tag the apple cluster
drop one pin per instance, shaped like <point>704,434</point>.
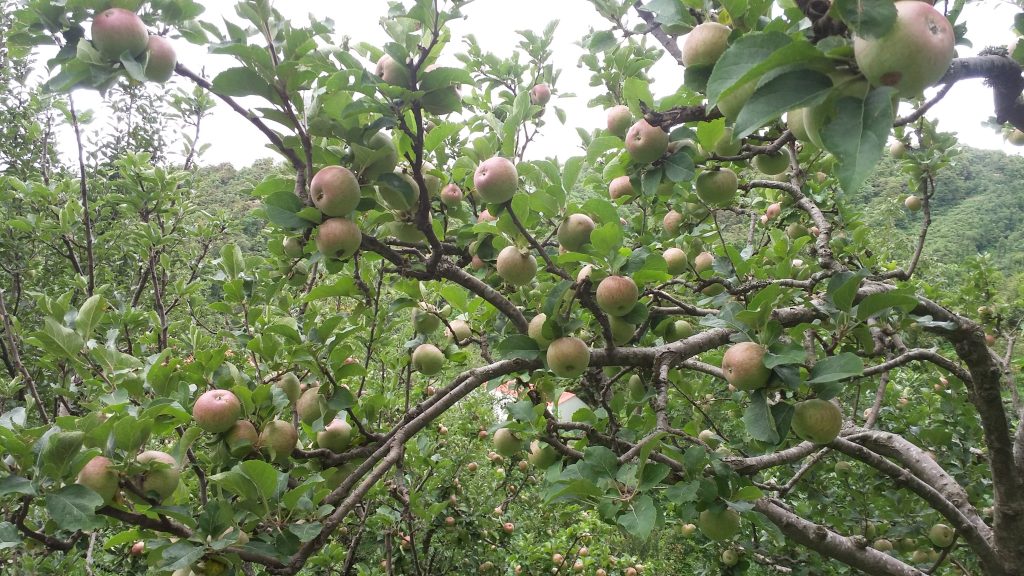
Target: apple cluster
<point>119,34</point>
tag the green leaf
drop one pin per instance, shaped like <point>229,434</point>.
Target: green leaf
<point>635,91</point>
<point>243,81</point>
<point>740,62</point>
<point>305,532</point>
<point>232,261</point>
<point>89,315</point>
<point>606,238</point>
<point>16,485</point>
<point>758,419</point>
<point>639,517</point>
<point>679,167</point>
<point>518,346</point>
<point>267,479</point>
<point>842,288</point>
<point>750,493</point>
<point>877,303</point>
<point>73,508</point>
<point>839,367</point>
<point>59,340</point>
<point>282,209</point>
<point>857,136</point>
<point>598,462</point>
<point>131,434</point>
<point>784,92</point>
<point>683,492</point>
<point>869,18</point>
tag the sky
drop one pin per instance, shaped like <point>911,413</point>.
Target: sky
<point>494,23</point>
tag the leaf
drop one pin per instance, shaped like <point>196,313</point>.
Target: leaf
<point>59,340</point>
<point>267,479</point>
<point>606,238</point>
<point>282,209</point>
<point>842,288</point>
<point>518,346</point>
<point>838,367</point>
<point>639,517</point>
<point>598,462</point>
<point>16,485</point>
<point>868,18</point>
<point>306,532</point>
<point>73,507</point>
<point>242,81</point>
<point>89,315</point>
<point>683,492</point>
<point>857,136</point>
<point>758,419</point>
<point>232,261</point>
<point>784,92</point>
<point>742,60</point>
<point>877,303</point>
<point>679,167</point>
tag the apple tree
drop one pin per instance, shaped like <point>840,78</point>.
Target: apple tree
<point>762,385</point>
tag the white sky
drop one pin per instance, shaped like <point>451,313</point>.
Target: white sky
<point>494,23</point>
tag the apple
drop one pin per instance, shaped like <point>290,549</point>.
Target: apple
<point>600,572</point>
<point>401,199</point>
<point>710,438</point>
<point>731,104</point>
<point>575,231</point>
<point>393,72</point>
<point>427,359</point>
<point>334,190</point>
<point>482,434</point>
<point>717,187</point>
<point>703,262</point>
<point>496,180</point>
<point>505,442</point>
<point>289,384</point>
<point>449,521</point>
<point>99,476</point>
<point>794,231</point>
<point>423,321</point>
<point>725,145</point>
<point>795,123</point>
<point>217,411</point>
<point>161,478</point>
<point>919,557</point>
<point>338,238</point>
<point>646,143</point>
<point>719,524</point>
<point>773,210</point>
<point>535,330</point>
<point>817,421</point>
<point>678,330</point>
<point>675,260</point>
<point>622,331</point>
<point>630,571</point>
<point>336,436</point>
<point>913,203</point>
<point>1016,137</point>
<point>430,180</point>
<point>541,455</point>
<point>730,557</point>
<point>689,529</point>
<point>557,559</point>
<point>620,187</point>
<point>578,565</point>
<point>516,267</point>
<point>743,366</point>
<point>941,535</point>
<point>898,149</point>
<point>617,295</point>
<point>138,548</point>
<point>459,330</point>
<point>292,247</point>
<point>451,195</point>
<point>772,163</point>
<point>160,59</point>
<point>241,439</point>
<point>278,439</point>
<point>117,31</point>
<point>540,94</point>
<point>705,44</point>
<point>508,527</point>
<point>379,156</point>
<point>568,357</point>
<point>882,545</point>
<point>472,466</point>
<point>672,222</point>
<point>990,339</point>
<point>619,120</point>
<point>913,55</point>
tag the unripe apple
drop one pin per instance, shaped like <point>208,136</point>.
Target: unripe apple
<point>451,195</point>
<point>719,524</point>
<point>535,330</point>
<point>472,466</point>
<point>482,434</point>
<point>726,146</point>
<point>620,187</point>
<point>334,190</point>
<point>496,180</point>
<point>705,44</point>
<point>380,156</point>
<point>217,411</point>
<point>98,475</point>
<point>619,120</point>
<point>568,357</point>
<point>577,566</point>
<point>338,238</point>
<point>290,385</point>
<point>160,59</point>
<point>688,529</point>
<point>732,103</point>
<point>815,231</point>
<point>541,455</point>
<point>717,187</point>
<point>772,164</point>
<point>1016,137</point>
<point>882,545</point>
<point>336,436</point>
<point>278,439</point>
<point>309,406</point>
<point>600,572</point>
<point>913,55</point>
<point>424,321</point>
<point>391,71</point>
<point>617,295</point>
<point>913,203</point>
<point>575,231</point>
<point>794,231</point>
<point>818,421</point>
<point>795,123</point>
<point>898,149</point>
<point>672,222</point>
<point>743,366</point>
<point>116,31</point>
<point>730,557</point>
<point>631,571</point>
<point>703,262</point>
<point>941,535</point>
<point>241,439</point>
<point>710,438</point>
<point>675,260</point>
<point>427,359</point>
<point>678,330</point>
<point>161,478</point>
<point>292,247</point>
<point>516,267</point>
<point>540,94</point>
<point>557,559</point>
<point>646,143</point>
<point>506,443</point>
<point>485,216</point>
<point>459,330</point>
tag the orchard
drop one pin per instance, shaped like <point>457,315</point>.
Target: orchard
<point>416,347</point>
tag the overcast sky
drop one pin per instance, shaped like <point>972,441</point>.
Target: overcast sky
<point>494,23</point>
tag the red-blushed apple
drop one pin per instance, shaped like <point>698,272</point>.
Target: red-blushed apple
<point>334,191</point>
<point>485,216</point>
<point>816,420</point>
<point>617,295</point>
<point>619,120</point>
<point>568,357</point>
<point>217,411</point>
<point>278,439</point>
<point>717,187</point>
<point>138,548</point>
<point>620,187</point>
<point>743,366</point>
<point>508,527</point>
<point>99,475</point>
<point>913,55</point>
<point>575,231</point>
<point>540,94</point>
<point>516,267</point>
<point>496,180</point>
<point>160,59</point>
<point>672,222</point>
<point>162,477</point>
<point>427,359</point>
<point>705,44</point>
<point>335,437</point>
<point>646,143</point>
<point>703,262</point>
<point>338,238</point>
<point>116,31</point>
<point>241,439</point>
<point>451,195</point>
<point>773,210</point>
